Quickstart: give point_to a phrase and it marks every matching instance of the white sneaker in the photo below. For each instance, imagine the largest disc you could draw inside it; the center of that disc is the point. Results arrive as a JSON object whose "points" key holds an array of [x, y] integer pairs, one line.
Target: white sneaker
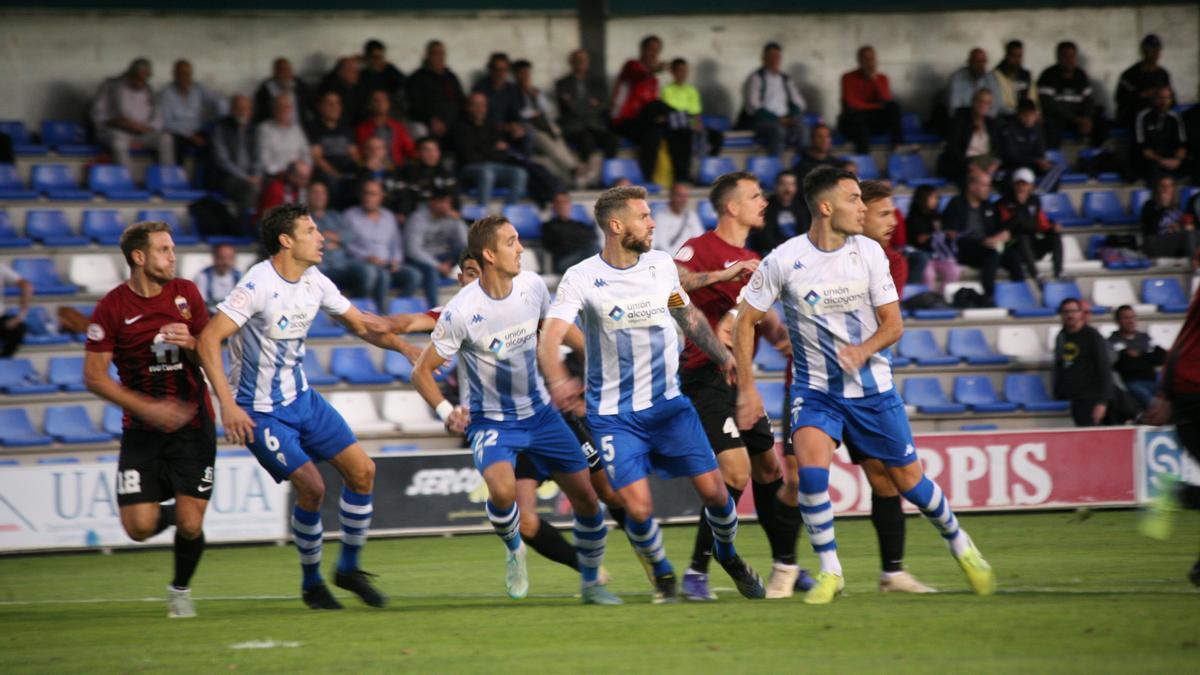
{"points": [[516, 578], [783, 581], [902, 582], [179, 603]]}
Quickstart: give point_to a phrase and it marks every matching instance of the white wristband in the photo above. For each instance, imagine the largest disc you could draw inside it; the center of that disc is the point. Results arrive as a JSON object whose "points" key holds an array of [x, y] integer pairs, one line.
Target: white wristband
{"points": [[444, 409]]}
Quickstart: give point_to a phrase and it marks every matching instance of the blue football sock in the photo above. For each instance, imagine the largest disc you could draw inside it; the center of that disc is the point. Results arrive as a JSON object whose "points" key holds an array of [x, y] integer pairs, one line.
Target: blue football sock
{"points": [[307, 534], [817, 512], [724, 523], [506, 523], [647, 539], [927, 496], [590, 536], [354, 513]]}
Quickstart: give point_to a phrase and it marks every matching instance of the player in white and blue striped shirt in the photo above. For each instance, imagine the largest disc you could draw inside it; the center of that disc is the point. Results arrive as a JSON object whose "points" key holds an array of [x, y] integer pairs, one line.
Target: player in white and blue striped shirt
{"points": [[631, 302]]}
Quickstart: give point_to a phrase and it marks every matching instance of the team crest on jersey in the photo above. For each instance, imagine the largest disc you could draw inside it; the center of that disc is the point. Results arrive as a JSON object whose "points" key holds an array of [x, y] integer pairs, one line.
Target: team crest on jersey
{"points": [[184, 308], [616, 313], [95, 332], [812, 298], [685, 254], [496, 345], [756, 280], [240, 298], [282, 323]]}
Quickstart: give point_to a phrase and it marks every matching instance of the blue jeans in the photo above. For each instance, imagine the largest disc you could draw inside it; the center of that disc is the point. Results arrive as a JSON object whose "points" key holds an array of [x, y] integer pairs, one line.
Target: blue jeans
{"points": [[430, 281], [486, 176], [772, 135]]}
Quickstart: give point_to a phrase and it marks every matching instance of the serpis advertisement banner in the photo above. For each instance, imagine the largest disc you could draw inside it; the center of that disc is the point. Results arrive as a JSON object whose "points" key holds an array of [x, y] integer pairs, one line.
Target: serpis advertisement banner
{"points": [[1162, 453]]}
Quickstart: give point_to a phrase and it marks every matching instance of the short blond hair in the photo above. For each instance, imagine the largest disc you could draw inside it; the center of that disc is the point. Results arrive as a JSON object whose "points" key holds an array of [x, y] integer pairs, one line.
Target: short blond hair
{"points": [[615, 199]]}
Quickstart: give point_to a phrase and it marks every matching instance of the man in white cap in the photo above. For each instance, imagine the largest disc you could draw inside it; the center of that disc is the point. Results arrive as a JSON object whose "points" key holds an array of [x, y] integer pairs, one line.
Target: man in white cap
{"points": [[1033, 234]]}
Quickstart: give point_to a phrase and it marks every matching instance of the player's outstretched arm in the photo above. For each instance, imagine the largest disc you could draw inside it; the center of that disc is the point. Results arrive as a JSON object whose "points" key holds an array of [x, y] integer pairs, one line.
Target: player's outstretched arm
{"points": [[410, 323], [690, 280], [562, 387], [377, 331], [239, 428], [891, 327], [749, 401], [455, 418], [695, 327], [166, 414]]}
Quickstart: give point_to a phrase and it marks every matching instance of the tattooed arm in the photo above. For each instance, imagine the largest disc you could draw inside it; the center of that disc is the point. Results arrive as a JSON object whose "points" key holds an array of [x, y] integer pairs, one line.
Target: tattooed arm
{"points": [[695, 327]]}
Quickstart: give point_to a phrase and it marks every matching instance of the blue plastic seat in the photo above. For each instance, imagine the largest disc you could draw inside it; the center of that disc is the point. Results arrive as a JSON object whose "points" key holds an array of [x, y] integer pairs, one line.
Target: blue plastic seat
{"points": [[768, 359], [11, 186], [41, 329], [8, 234], [1167, 293], [171, 182], [767, 169], [56, 182], [582, 213], [1068, 177], [618, 168], [50, 227], [909, 168], [1186, 193], [110, 420], [354, 365], [1057, 207], [41, 273], [23, 143], [315, 373], [183, 235], [970, 344], [707, 214], [412, 305], [1028, 391], [67, 137], [1054, 292], [17, 431], [325, 327], [913, 130], [473, 212], [114, 182], [1105, 206], [71, 424], [896, 360], [1138, 199], [1016, 297], [18, 377], [772, 394], [927, 395], [720, 123], [920, 345], [865, 166], [713, 167], [66, 373], [525, 218], [103, 226], [976, 392], [396, 365]]}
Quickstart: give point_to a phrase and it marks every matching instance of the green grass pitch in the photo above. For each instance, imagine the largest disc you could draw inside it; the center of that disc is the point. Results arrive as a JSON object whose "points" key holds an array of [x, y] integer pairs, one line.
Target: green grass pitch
{"points": [[1076, 594]]}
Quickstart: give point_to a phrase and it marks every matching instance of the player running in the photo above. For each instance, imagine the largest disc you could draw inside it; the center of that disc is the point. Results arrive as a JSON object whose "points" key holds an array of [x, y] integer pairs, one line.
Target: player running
{"points": [[843, 313], [147, 326], [492, 325], [286, 424], [631, 301], [713, 269]]}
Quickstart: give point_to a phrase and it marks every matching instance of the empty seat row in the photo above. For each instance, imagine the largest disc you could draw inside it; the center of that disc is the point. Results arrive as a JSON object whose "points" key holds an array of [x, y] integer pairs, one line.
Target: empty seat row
{"points": [[1016, 298], [63, 424], [50, 227], [112, 181], [66, 137], [403, 411], [18, 376]]}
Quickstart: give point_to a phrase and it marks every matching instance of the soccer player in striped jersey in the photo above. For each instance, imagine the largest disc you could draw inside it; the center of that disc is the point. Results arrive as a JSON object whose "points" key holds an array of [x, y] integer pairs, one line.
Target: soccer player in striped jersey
{"points": [[842, 313], [631, 301], [286, 424], [492, 326]]}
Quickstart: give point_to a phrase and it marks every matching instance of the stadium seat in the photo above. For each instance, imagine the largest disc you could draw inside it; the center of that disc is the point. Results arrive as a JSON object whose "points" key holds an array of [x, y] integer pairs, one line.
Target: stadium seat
{"points": [[582, 213], [530, 261], [1057, 207], [56, 182], [41, 273], [909, 168], [66, 373], [970, 344], [713, 167], [17, 431], [976, 392], [1020, 343], [768, 359], [11, 186], [315, 373], [473, 212], [1105, 206], [525, 218], [18, 377], [114, 182], [767, 169], [708, 215], [171, 182], [365, 305], [358, 409], [1028, 391], [354, 365], [1138, 199], [50, 228], [772, 394], [1185, 194], [67, 137], [103, 226], [920, 345], [1055, 291], [1016, 297], [902, 203], [865, 166], [396, 365], [71, 424], [408, 412], [410, 305], [22, 142], [1068, 177], [1117, 292], [1074, 261], [616, 169], [110, 420], [927, 395], [1091, 156], [1164, 334], [41, 328], [8, 234], [1166, 293], [325, 327], [913, 129], [96, 273], [716, 122]]}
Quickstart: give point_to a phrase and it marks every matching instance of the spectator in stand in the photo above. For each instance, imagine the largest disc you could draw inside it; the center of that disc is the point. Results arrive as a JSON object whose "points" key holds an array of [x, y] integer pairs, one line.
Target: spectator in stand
{"points": [[583, 112], [773, 105], [218, 279], [435, 96], [546, 141], [1167, 231], [344, 79], [1023, 144], [434, 236], [377, 166], [237, 171], [334, 152], [867, 104], [283, 82], [291, 187], [1159, 144], [787, 215], [1065, 93], [1033, 235], [931, 250], [637, 114], [281, 141], [1136, 356], [373, 237], [1139, 84], [12, 327], [1082, 371], [125, 115], [379, 73], [568, 241], [960, 92], [483, 154], [355, 278], [187, 108], [504, 100], [421, 177], [676, 223], [818, 153], [1015, 82], [687, 129], [971, 222], [380, 124], [973, 144]]}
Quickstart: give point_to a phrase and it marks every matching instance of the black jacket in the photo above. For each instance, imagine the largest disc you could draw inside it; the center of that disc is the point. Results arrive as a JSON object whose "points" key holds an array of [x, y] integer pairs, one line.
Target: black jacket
{"points": [[577, 115], [955, 217], [1065, 98], [1020, 146], [433, 95], [477, 143], [1082, 369], [304, 114], [772, 234], [953, 161], [1130, 87]]}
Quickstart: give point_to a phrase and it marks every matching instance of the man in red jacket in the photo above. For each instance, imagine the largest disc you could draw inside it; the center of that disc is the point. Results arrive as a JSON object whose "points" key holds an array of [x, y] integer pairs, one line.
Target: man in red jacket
{"points": [[867, 104], [380, 123], [637, 113]]}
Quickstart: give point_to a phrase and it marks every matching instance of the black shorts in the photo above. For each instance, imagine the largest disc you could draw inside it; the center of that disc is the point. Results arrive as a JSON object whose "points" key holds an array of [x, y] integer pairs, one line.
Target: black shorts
{"points": [[155, 466], [716, 403], [789, 449], [525, 468]]}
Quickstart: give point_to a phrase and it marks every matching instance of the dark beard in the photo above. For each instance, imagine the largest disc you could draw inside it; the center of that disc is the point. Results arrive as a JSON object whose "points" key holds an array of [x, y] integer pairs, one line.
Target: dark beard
{"points": [[630, 243]]}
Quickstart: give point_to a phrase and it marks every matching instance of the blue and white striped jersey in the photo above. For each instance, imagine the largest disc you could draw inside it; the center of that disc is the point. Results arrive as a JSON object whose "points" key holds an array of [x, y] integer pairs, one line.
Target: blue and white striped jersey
{"points": [[497, 343], [632, 347], [829, 300], [267, 355]]}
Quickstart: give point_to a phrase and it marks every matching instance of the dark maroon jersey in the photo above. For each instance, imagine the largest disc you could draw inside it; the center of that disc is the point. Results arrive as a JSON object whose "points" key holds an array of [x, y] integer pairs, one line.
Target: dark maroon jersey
{"points": [[709, 253], [127, 325]]}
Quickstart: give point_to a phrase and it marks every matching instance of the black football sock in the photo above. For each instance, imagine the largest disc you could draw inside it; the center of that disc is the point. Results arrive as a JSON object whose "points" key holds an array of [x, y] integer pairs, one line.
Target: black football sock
{"points": [[888, 519], [550, 544], [187, 556], [618, 516], [166, 517], [780, 521], [1189, 495]]}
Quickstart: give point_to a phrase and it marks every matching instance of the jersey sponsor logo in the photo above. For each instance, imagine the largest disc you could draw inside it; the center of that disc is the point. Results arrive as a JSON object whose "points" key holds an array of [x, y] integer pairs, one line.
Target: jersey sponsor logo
{"points": [[184, 308], [511, 340], [166, 356], [95, 332], [646, 310], [686, 253], [812, 298], [599, 283], [294, 325], [132, 319], [282, 323], [836, 298], [496, 345]]}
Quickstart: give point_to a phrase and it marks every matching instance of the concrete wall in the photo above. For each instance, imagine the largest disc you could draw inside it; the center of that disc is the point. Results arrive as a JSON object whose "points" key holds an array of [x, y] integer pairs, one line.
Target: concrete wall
{"points": [[50, 63]]}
